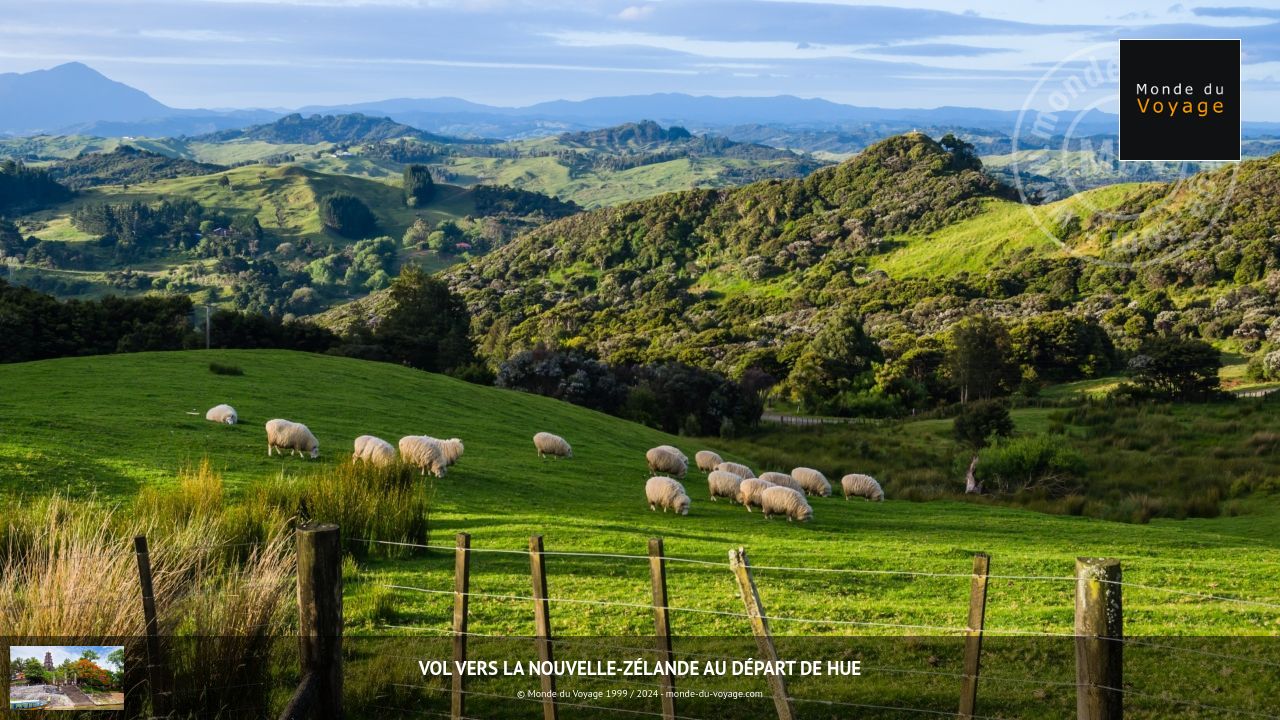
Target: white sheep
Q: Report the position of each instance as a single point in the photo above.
(553, 445)
(677, 451)
(863, 486)
(222, 414)
(424, 453)
(452, 450)
(785, 501)
(723, 484)
(666, 459)
(707, 460)
(295, 437)
(666, 493)
(373, 450)
(749, 491)
(813, 482)
(783, 479)
(738, 469)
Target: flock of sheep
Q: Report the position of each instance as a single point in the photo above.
(775, 493)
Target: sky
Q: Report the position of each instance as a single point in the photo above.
(900, 53)
(63, 652)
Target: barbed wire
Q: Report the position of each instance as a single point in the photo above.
(559, 553)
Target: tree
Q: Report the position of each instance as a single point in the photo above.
(89, 655)
(1174, 368)
(974, 427)
(116, 657)
(980, 358)
(347, 215)
(839, 353)
(427, 326)
(418, 186)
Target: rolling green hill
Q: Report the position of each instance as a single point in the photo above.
(106, 426)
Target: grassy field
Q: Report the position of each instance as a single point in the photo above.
(106, 427)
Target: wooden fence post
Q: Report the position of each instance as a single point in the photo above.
(760, 627)
(662, 625)
(320, 620)
(160, 700)
(542, 626)
(1099, 640)
(973, 634)
(461, 588)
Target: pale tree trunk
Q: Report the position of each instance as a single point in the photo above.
(971, 484)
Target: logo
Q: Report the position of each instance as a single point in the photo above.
(1180, 100)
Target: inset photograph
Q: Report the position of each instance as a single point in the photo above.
(66, 677)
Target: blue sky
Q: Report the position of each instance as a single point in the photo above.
(63, 652)
(909, 53)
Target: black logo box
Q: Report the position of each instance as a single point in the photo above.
(1180, 65)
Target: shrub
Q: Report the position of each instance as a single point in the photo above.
(347, 215)
(1033, 463)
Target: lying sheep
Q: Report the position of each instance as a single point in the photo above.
(666, 459)
(295, 437)
(785, 501)
(663, 492)
(452, 450)
(749, 492)
(707, 460)
(222, 414)
(424, 453)
(783, 479)
(723, 484)
(863, 486)
(813, 482)
(552, 445)
(738, 469)
(373, 450)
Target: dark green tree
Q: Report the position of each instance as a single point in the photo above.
(1173, 368)
(418, 186)
(838, 355)
(980, 359)
(974, 427)
(347, 215)
(427, 326)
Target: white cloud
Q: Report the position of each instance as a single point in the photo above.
(635, 12)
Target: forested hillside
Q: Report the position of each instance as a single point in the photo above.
(781, 277)
(126, 165)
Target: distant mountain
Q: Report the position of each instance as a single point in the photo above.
(348, 128)
(628, 135)
(189, 122)
(67, 95)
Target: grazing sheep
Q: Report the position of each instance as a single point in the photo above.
(552, 445)
(738, 469)
(668, 494)
(295, 437)
(666, 459)
(813, 482)
(785, 501)
(783, 479)
(452, 450)
(749, 492)
(373, 450)
(677, 451)
(222, 414)
(723, 484)
(424, 453)
(863, 486)
(707, 460)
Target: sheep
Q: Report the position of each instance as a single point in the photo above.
(723, 484)
(813, 482)
(863, 486)
(785, 501)
(707, 460)
(676, 451)
(373, 450)
(222, 414)
(783, 479)
(295, 437)
(452, 450)
(663, 459)
(749, 491)
(738, 469)
(666, 493)
(552, 445)
(424, 453)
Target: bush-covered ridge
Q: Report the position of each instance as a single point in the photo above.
(127, 165)
(348, 128)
